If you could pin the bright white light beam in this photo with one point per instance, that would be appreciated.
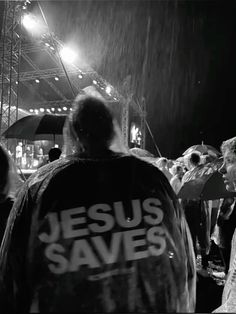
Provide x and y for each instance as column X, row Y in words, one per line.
column 30, row 22
column 68, row 55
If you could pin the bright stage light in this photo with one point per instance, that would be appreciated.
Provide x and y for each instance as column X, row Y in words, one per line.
column 31, row 110
column 80, row 76
column 53, row 109
column 59, row 109
column 95, row 82
column 30, row 22
column 42, row 109
column 56, row 78
column 68, row 55
column 64, row 108
column 36, row 111
column 108, row 90
column 37, row 81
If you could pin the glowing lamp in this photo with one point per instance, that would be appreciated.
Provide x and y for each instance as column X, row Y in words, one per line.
column 68, row 55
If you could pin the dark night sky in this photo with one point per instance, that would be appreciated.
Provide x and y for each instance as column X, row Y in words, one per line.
column 189, row 84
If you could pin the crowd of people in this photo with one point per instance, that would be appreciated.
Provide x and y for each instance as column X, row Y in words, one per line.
column 98, row 229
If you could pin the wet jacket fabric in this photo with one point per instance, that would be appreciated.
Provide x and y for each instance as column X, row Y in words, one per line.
column 103, row 235
column 5, row 208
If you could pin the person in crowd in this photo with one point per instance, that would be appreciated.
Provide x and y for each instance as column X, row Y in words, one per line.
column 19, row 154
column 98, row 230
column 228, row 171
column 54, row 154
column 176, row 180
column 28, row 157
column 196, row 212
column 6, row 200
column 226, row 225
column 162, row 164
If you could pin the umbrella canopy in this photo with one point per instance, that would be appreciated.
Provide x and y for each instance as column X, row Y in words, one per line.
column 36, row 127
column 205, row 182
column 203, row 149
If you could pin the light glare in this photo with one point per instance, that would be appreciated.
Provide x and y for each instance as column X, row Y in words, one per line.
column 68, row 55
column 108, row 90
column 30, row 22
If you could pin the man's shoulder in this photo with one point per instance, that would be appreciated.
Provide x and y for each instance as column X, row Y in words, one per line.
column 48, row 170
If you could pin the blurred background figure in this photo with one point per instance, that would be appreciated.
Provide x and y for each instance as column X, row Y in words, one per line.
column 162, row 164
column 226, row 223
column 197, row 216
column 54, row 154
column 176, row 180
column 19, row 154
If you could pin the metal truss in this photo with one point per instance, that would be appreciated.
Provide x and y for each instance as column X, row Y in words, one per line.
column 10, row 55
column 14, row 47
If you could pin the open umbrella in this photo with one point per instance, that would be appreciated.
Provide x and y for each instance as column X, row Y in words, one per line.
column 203, row 149
column 36, row 127
column 205, row 182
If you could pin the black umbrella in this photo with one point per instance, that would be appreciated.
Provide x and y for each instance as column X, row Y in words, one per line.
column 205, row 182
column 37, row 127
column 203, row 149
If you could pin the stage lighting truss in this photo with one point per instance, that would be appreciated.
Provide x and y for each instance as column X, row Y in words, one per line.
column 50, row 43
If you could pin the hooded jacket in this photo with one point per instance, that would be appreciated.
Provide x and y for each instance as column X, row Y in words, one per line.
column 97, row 235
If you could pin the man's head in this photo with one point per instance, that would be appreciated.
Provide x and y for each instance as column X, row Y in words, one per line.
column 54, row 153
column 228, row 168
column 91, row 123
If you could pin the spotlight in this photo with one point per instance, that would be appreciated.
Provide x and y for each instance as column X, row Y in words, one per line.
column 64, row 108
column 41, row 109
column 70, row 109
column 30, row 22
column 80, row 76
column 56, row 78
column 17, row 83
column 37, row 81
column 68, row 55
column 95, row 82
column 31, row 110
column 59, row 109
column 47, row 44
column 36, row 111
column 53, row 109
column 48, row 110
column 51, row 47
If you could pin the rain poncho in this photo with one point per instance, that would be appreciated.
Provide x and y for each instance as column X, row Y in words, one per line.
column 103, row 235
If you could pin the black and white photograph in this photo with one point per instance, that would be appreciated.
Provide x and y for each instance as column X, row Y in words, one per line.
column 117, row 156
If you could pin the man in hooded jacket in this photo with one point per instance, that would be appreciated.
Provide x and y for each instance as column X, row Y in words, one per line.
column 97, row 230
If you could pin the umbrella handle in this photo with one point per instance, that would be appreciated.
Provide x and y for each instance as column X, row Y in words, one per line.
column 22, row 174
